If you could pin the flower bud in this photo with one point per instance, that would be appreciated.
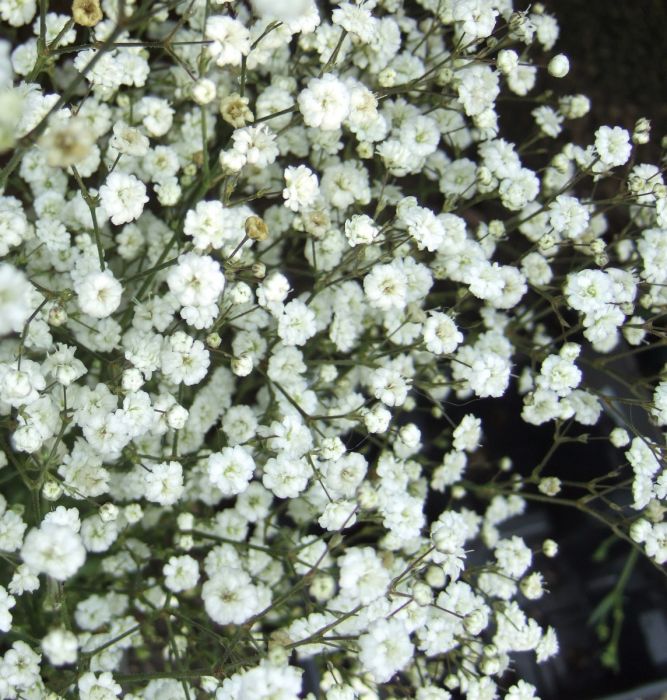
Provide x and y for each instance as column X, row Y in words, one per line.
column 365, row 150
column 549, row 486
column 322, row 588
column 57, row 316
column 435, row 577
column 549, row 548
column 507, row 61
column 203, row 91
column 422, row 594
column 256, row 228
column 642, row 131
column 177, row 416
column 639, row 530
column 185, row 521
column 559, row 66
column 52, row 490
column 132, row 380
column 133, row 513
column 108, row 512
column 213, row 340
column 242, row 365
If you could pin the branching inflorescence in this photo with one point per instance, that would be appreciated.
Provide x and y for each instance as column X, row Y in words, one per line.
column 251, row 256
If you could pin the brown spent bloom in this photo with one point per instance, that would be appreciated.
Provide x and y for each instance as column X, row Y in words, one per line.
column 235, row 111
column 67, row 142
column 87, row 13
column 256, row 228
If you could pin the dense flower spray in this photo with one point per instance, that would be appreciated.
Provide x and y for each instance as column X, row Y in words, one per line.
column 252, row 252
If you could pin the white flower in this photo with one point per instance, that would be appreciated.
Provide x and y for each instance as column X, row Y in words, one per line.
column 63, row 366
column 386, row 287
column 360, row 230
column 385, row 649
column 297, row 323
column 478, row 88
column 60, row 646
column 589, row 290
column 197, row 280
column 102, row 687
column 286, row 476
column 357, row 20
column 489, row 375
column 231, row 40
column 15, row 298
column 205, row 224
column 467, row 433
column 338, row 515
column 163, row 482
column 285, row 10
column 55, row 550
column 325, row 103
column 302, row 187
column 613, row 146
column 568, row 216
column 123, row 197
column 20, row 385
column 362, row 575
column 129, row 140
column 184, row 359
column 513, row 557
column 441, row 335
column 521, row 691
column 559, row 375
column 99, row 294
column 389, row 386
column 230, row 597
column 231, row 470
column 18, row 12
column 7, row 602
column 257, row 145
column 181, row 573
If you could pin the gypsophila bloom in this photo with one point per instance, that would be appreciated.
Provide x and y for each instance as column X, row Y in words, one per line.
column 385, row 649
column 94, row 687
column 360, row 230
column 181, row 573
column 163, row 482
column 296, row 324
column 386, row 287
column 275, row 277
column 128, row 140
column 301, row 187
column 612, row 146
column 60, row 646
column 99, row 294
column 53, row 549
column 324, row 103
column 231, row 470
column 7, row 602
column 441, row 335
column 123, row 198
column 15, row 294
column 231, row 40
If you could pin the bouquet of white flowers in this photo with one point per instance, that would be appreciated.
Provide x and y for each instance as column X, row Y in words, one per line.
column 261, row 264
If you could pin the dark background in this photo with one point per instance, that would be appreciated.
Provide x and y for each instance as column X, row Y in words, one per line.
column 618, row 58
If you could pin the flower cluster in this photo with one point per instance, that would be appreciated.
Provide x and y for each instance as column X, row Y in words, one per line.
column 250, row 254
